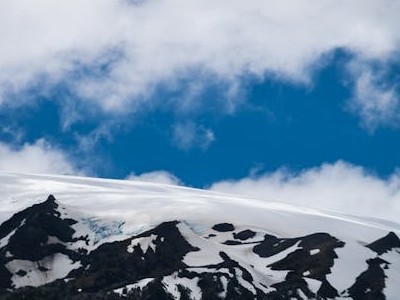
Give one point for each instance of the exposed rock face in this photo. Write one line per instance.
(34, 237)
(34, 227)
(223, 227)
(45, 254)
(385, 244)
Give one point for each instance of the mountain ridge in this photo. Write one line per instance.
(58, 249)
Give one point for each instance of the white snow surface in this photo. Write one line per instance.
(351, 255)
(208, 254)
(142, 204)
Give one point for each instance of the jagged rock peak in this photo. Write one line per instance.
(51, 199)
(385, 244)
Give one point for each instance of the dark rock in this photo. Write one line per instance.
(370, 284)
(272, 246)
(33, 226)
(5, 277)
(232, 243)
(301, 260)
(244, 235)
(223, 227)
(111, 264)
(385, 244)
(21, 273)
(291, 287)
(29, 231)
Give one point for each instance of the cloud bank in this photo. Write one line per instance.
(38, 157)
(116, 53)
(340, 187)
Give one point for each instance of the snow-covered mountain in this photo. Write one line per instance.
(82, 238)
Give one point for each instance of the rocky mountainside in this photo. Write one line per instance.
(104, 239)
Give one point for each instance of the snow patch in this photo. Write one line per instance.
(313, 285)
(144, 242)
(314, 251)
(140, 285)
(224, 282)
(351, 262)
(4, 241)
(41, 272)
(54, 240)
(208, 253)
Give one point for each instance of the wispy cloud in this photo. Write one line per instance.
(374, 99)
(116, 53)
(190, 135)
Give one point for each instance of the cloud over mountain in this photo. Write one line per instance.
(340, 186)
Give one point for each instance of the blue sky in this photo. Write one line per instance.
(202, 93)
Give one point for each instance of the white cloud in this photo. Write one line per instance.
(38, 157)
(158, 41)
(340, 187)
(156, 177)
(376, 101)
(189, 135)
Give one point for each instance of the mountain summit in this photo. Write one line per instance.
(83, 238)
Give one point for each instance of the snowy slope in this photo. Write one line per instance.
(141, 240)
